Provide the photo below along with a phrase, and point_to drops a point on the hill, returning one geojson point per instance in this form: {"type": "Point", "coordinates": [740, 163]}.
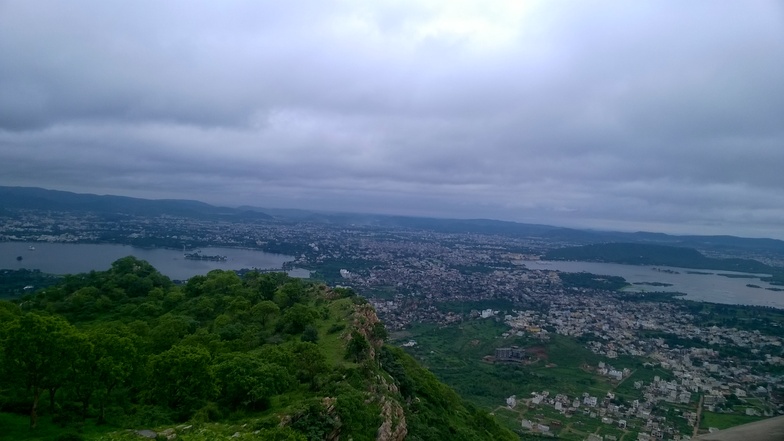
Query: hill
{"type": "Point", "coordinates": [52, 200]}
{"type": "Point", "coordinates": [262, 356]}
{"type": "Point", "coordinates": [649, 254]}
{"type": "Point", "coordinates": [28, 198]}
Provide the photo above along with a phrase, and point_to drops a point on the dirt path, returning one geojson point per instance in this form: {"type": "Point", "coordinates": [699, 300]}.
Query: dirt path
{"type": "Point", "coordinates": [624, 379]}
{"type": "Point", "coordinates": [699, 417]}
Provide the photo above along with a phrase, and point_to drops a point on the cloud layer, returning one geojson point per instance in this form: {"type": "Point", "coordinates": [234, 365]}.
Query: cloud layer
{"type": "Point", "coordinates": [634, 115]}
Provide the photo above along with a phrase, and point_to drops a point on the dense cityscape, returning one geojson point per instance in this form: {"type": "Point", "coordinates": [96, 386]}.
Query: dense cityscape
{"type": "Point", "coordinates": [414, 276]}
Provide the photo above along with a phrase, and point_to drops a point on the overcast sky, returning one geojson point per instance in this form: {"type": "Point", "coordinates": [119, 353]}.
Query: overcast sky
{"type": "Point", "coordinates": [631, 115]}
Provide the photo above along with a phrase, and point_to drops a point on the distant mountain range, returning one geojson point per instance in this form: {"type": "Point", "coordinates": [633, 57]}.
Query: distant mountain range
{"type": "Point", "coordinates": [12, 198]}
{"type": "Point", "coordinates": [41, 199]}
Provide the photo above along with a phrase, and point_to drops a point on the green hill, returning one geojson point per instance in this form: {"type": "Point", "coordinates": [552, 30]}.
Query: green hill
{"type": "Point", "coordinates": [647, 254]}
{"type": "Point", "coordinates": [125, 353]}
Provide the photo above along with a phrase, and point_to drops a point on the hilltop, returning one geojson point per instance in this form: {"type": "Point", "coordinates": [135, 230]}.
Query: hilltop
{"type": "Point", "coordinates": [124, 353]}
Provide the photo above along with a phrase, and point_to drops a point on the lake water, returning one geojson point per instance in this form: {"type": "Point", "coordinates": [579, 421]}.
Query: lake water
{"type": "Point", "coordinates": [704, 287]}
{"type": "Point", "coordinates": [64, 258]}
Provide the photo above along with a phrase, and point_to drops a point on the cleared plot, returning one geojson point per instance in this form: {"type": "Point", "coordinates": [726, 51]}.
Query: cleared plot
{"type": "Point", "coordinates": [724, 420]}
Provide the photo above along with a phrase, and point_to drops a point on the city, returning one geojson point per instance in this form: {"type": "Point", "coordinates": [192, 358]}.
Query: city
{"type": "Point", "coordinates": [416, 276]}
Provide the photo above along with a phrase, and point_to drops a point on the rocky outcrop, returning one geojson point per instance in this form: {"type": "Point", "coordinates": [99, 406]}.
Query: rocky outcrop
{"type": "Point", "coordinates": [394, 426]}
{"type": "Point", "coordinates": [367, 323]}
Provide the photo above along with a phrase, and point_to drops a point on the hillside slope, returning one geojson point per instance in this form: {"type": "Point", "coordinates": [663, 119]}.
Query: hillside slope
{"type": "Point", "coordinates": [262, 356]}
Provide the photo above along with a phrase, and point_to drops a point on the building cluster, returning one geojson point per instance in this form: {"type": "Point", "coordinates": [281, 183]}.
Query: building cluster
{"type": "Point", "coordinates": [413, 275]}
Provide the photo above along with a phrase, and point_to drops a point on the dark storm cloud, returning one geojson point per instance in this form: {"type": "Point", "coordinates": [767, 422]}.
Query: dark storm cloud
{"type": "Point", "coordinates": [649, 115]}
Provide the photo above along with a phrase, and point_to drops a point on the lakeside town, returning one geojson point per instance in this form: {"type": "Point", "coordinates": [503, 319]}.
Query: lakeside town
{"type": "Point", "coordinates": [447, 278]}
{"type": "Point", "coordinates": [719, 369]}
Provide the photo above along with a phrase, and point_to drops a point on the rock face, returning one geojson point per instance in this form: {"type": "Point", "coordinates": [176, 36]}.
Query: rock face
{"type": "Point", "coordinates": [394, 426]}
{"type": "Point", "coordinates": [365, 322]}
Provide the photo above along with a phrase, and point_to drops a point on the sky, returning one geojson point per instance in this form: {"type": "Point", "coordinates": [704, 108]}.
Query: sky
{"type": "Point", "coordinates": [662, 115]}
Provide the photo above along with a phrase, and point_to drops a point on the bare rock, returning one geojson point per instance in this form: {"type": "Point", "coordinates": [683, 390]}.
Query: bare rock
{"type": "Point", "coordinates": [394, 426]}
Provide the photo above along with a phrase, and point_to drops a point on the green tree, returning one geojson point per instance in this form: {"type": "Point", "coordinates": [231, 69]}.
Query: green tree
{"type": "Point", "coordinates": [264, 311]}
{"type": "Point", "coordinates": [181, 378]}
{"type": "Point", "coordinates": [245, 380]}
{"type": "Point", "coordinates": [169, 330]}
{"type": "Point", "coordinates": [297, 318]}
{"type": "Point", "coordinates": [84, 378]}
{"type": "Point", "coordinates": [195, 286]}
{"type": "Point", "coordinates": [310, 334]}
{"type": "Point", "coordinates": [289, 294]}
{"type": "Point", "coordinates": [358, 348]}
{"type": "Point", "coordinates": [38, 352]}
{"type": "Point", "coordinates": [8, 313]}
{"type": "Point", "coordinates": [307, 362]}
{"type": "Point", "coordinates": [223, 283]}
{"type": "Point", "coordinates": [117, 358]}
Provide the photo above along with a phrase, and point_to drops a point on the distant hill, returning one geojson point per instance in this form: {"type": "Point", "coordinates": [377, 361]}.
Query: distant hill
{"type": "Point", "coordinates": [42, 199]}
{"type": "Point", "coordinates": [546, 232]}
{"type": "Point", "coordinates": [12, 198]}
{"type": "Point", "coordinates": [649, 254]}
{"type": "Point", "coordinates": [715, 243]}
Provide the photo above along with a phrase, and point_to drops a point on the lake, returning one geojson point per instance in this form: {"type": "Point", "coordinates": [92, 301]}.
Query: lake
{"type": "Point", "coordinates": [66, 258]}
{"type": "Point", "coordinates": [710, 287]}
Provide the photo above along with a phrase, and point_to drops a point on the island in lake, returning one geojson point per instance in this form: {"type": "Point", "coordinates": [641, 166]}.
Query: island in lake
{"type": "Point", "coordinates": [198, 256]}
{"type": "Point", "coordinates": [664, 270]}
{"type": "Point", "coordinates": [653, 283]}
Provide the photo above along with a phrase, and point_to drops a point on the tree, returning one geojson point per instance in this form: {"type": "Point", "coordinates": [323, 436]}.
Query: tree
{"type": "Point", "coordinates": [223, 283]}
{"type": "Point", "coordinates": [38, 352]}
{"type": "Point", "coordinates": [8, 312]}
{"type": "Point", "coordinates": [84, 378]}
{"type": "Point", "coordinates": [264, 311]}
{"type": "Point", "coordinates": [169, 330]}
{"type": "Point", "coordinates": [116, 359]}
{"type": "Point", "coordinates": [308, 362]}
{"type": "Point", "coordinates": [358, 348]}
{"type": "Point", "coordinates": [246, 380]}
{"type": "Point", "coordinates": [181, 378]}
{"type": "Point", "coordinates": [297, 318]}
{"type": "Point", "coordinates": [263, 286]}
{"type": "Point", "coordinates": [310, 334]}
{"type": "Point", "coordinates": [289, 294]}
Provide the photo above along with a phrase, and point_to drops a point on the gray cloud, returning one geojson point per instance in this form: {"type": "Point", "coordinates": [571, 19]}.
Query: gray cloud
{"type": "Point", "coordinates": [647, 115]}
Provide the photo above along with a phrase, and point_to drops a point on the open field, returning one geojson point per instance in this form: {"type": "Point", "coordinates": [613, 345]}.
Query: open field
{"type": "Point", "coordinates": [455, 354]}
{"type": "Point", "coordinates": [723, 420]}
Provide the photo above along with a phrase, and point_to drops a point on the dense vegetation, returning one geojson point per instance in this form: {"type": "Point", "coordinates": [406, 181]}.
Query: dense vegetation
{"type": "Point", "coordinates": [647, 254]}
{"type": "Point", "coordinates": [14, 282]}
{"type": "Point", "coordinates": [261, 356]}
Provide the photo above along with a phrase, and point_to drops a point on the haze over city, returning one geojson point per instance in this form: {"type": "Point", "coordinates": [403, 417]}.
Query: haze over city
{"type": "Point", "coordinates": [657, 116]}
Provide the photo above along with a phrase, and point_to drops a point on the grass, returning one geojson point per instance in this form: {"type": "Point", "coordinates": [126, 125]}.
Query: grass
{"type": "Point", "coordinates": [644, 374]}
{"type": "Point", "coordinates": [332, 344]}
{"type": "Point", "coordinates": [560, 365]}
{"type": "Point", "coordinates": [725, 420]}
{"type": "Point", "coordinates": [17, 428]}
{"type": "Point", "coordinates": [508, 418]}
{"type": "Point", "coordinates": [455, 355]}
